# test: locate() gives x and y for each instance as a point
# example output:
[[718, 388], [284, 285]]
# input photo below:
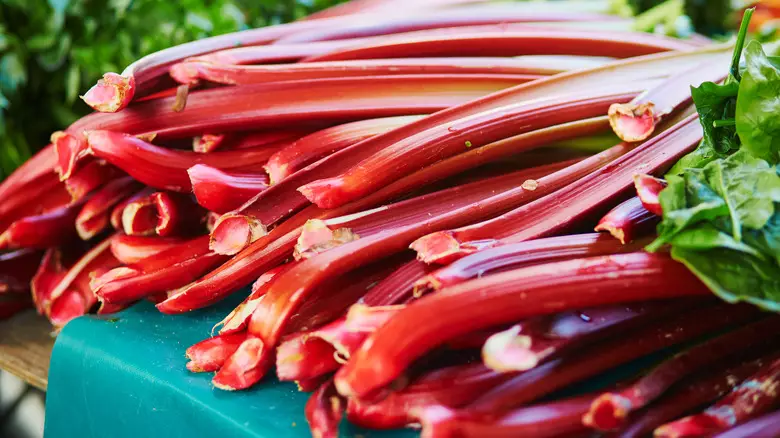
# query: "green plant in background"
[[52, 50]]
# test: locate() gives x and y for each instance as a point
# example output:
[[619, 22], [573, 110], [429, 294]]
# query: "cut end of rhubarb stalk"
[[111, 94], [607, 412], [207, 143], [276, 172], [234, 232], [325, 193], [245, 367], [68, 306], [210, 354], [139, 218], [69, 150], [429, 283], [648, 188], [440, 248], [632, 123], [509, 351], [316, 238], [617, 233], [186, 73]]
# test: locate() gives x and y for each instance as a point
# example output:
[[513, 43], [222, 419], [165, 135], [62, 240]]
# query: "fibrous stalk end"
[[111, 94]]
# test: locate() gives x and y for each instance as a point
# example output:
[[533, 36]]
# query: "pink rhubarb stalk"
[[220, 191], [458, 136], [534, 341], [285, 199], [133, 249], [209, 355], [481, 303], [310, 148], [755, 396], [190, 72], [95, 214], [17, 269], [628, 221], [554, 213], [516, 43], [648, 188], [324, 411], [163, 214], [611, 410], [168, 269]]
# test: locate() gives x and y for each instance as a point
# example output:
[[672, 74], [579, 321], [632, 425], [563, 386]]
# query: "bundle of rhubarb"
[[450, 219]]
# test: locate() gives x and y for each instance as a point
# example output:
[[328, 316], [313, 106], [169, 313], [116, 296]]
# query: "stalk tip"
[[111, 94]]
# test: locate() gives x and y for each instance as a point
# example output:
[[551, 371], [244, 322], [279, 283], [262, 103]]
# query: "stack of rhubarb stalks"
[[404, 185]]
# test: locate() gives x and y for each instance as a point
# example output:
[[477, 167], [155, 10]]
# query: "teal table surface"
[[124, 376]]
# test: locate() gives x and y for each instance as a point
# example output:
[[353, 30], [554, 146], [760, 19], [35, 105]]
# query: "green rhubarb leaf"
[[706, 236], [767, 239], [716, 102], [735, 276], [748, 186], [758, 106]]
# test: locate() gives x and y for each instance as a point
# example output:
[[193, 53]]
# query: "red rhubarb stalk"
[[238, 319], [238, 227], [670, 95], [271, 249], [40, 166], [116, 214], [17, 269], [544, 420], [324, 411], [505, 257], [220, 191], [163, 214], [458, 136], [190, 72], [533, 291], [133, 249], [534, 341], [754, 397], [603, 356], [79, 275], [611, 410], [628, 220], [285, 199], [42, 230], [168, 269], [142, 77], [281, 105], [554, 213], [166, 168], [530, 42], [312, 147], [209, 355], [245, 367], [768, 425], [93, 175], [648, 188], [700, 391], [246, 140], [301, 357], [94, 215], [443, 18], [49, 273], [451, 387], [397, 287]]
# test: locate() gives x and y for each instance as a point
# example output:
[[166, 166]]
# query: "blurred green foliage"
[[53, 50]]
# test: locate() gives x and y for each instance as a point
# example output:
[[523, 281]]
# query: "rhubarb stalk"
[[628, 220], [534, 291], [755, 396], [94, 215], [611, 410], [220, 191]]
